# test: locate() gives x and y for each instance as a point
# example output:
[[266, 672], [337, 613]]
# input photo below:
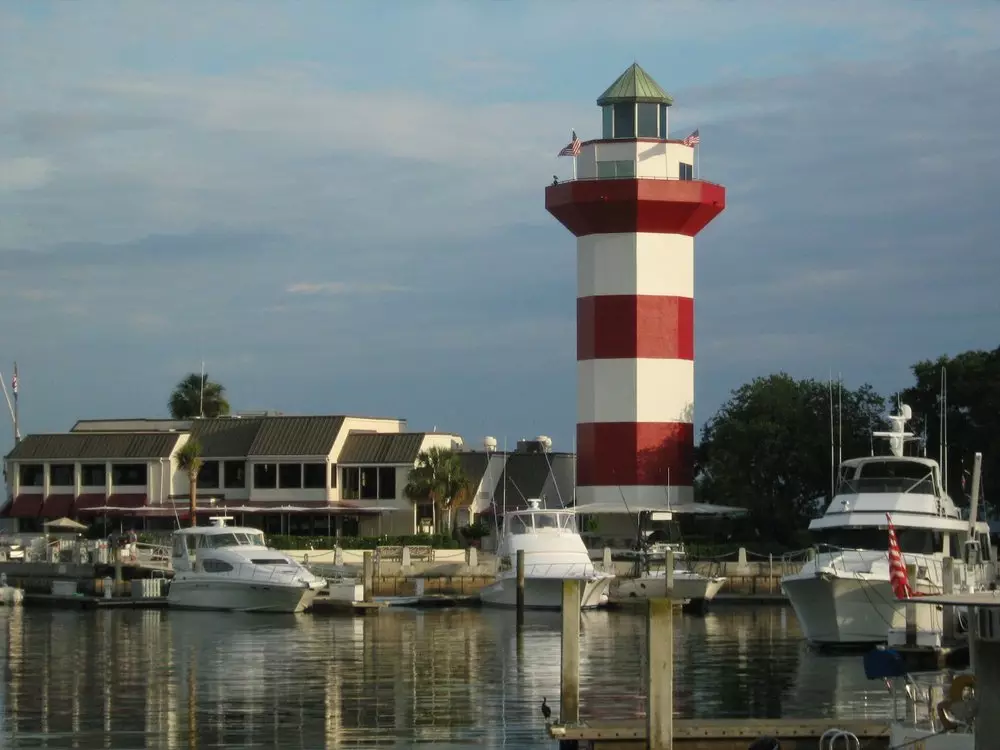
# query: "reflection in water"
[[127, 679]]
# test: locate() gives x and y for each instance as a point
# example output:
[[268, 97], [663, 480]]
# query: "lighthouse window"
[[647, 120], [686, 171], [624, 121], [608, 170], [663, 121], [608, 131]]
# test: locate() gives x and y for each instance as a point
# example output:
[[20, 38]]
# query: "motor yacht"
[[842, 595], [222, 567], [553, 552]]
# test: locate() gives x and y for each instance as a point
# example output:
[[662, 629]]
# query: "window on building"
[[128, 475], [663, 121], [350, 525], [61, 475], [290, 476], [314, 476], [609, 170], [625, 120], [208, 477], [386, 482], [608, 113], [369, 483], [265, 476], [686, 171], [92, 475], [647, 120], [234, 475], [352, 483], [31, 475], [333, 475]]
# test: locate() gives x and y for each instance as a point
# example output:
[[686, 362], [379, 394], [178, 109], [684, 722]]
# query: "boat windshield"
[[914, 541], [527, 523], [889, 476], [234, 539]]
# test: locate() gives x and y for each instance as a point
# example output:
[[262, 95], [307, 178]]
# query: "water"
[[452, 678]]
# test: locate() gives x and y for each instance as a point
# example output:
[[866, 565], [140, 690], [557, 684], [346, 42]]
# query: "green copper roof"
[[634, 85]]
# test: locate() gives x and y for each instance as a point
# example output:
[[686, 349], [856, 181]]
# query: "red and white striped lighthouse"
[[635, 207]]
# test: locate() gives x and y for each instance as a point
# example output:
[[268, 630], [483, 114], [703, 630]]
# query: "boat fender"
[[956, 696]]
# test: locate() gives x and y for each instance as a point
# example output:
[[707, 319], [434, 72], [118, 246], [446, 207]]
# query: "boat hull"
[[544, 593], [693, 589], [836, 611], [234, 596]]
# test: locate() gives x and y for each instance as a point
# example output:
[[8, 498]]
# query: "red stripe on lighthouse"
[[634, 327], [634, 453]]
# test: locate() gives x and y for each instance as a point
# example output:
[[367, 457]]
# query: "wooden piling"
[[987, 670], [668, 573], [910, 610], [569, 697], [660, 680], [368, 574], [520, 584]]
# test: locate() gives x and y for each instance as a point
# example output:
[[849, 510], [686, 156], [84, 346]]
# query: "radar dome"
[[490, 443], [545, 441]]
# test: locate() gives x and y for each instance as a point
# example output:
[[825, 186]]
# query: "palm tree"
[[438, 476], [189, 461], [197, 396]]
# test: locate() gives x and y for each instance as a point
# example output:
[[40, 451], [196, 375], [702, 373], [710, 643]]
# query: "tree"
[[189, 461], [438, 476], [973, 414], [767, 449], [197, 396]]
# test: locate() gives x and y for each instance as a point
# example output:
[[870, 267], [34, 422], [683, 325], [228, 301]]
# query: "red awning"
[[127, 501], [89, 502], [57, 506], [26, 506]]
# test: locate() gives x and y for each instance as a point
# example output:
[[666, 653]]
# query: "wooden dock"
[[718, 734], [82, 601]]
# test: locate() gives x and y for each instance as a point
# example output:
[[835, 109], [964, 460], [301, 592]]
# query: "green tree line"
[[768, 448]]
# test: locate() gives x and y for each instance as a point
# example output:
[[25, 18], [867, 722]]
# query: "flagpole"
[[16, 386], [574, 157], [10, 405]]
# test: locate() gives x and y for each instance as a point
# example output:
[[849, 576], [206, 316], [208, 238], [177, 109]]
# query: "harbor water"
[[453, 678]]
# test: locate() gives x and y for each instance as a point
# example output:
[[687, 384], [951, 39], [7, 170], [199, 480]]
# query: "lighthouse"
[[635, 207]]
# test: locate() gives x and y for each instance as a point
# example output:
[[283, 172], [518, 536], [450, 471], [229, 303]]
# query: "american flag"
[[572, 148], [13, 381], [693, 140], [897, 570]]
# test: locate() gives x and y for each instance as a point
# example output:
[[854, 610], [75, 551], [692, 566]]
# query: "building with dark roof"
[[285, 474]]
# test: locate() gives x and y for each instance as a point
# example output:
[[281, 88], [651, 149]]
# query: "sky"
[[339, 207]]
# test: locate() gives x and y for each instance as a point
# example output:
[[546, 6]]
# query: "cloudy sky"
[[339, 206]]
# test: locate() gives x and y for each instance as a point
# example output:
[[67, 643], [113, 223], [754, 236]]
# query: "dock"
[[660, 730], [83, 601]]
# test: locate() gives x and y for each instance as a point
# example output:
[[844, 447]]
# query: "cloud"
[[343, 287], [23, 173]]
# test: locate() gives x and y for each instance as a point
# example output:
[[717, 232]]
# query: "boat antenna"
[[555, 482], [840, 418], [833, 461]]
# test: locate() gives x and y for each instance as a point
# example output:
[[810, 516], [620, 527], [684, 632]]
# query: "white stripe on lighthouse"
[[635, 390], [635, 263]]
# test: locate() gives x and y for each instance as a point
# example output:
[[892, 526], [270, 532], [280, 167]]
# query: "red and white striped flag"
[[897, 569], [693, 140], [573, 148], [13, 380]]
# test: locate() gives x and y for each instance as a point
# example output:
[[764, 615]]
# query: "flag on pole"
[[13, 380], [572, 148], [693, 140], [897, 570]]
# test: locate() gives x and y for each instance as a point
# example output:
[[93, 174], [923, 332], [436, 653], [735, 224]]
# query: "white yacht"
[[223, 567], [553, 552], [842, 596]]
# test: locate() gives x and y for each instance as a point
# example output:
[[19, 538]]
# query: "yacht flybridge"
[[553, 551], [843, 595], [223, 567]]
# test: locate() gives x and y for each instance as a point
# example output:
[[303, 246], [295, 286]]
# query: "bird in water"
[[546, 709]]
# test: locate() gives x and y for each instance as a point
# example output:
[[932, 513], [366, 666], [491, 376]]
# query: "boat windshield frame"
[[533, 521], [856, 482]]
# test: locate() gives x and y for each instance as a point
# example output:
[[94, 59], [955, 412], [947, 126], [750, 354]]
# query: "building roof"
[[474, 464], [225, 437], [139, 424], [296, 436], [634, 85], [528, 475], [381, 448], [91, 445]]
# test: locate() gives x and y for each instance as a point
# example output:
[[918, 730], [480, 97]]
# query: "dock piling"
[[569, 686], [948, 613], [668, 573], [660, 680], [368, 574], [520, 584]]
